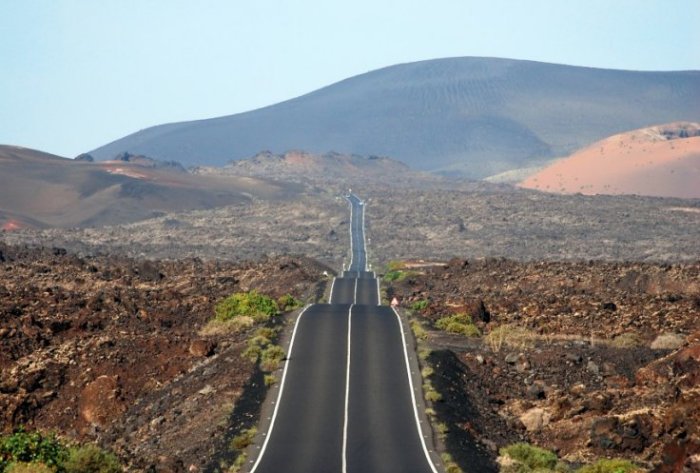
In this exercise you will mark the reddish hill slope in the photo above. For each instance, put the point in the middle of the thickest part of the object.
(42, 190)
(659, 161)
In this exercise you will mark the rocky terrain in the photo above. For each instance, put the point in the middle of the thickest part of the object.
(442, 219)
(588, 359)
(114, 350)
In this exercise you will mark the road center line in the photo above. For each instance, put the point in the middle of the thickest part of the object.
(279, 394)
(347, 397)
(413, 395)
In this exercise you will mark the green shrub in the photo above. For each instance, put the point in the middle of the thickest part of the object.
(420, 305)
(450, 465)
(91, 459)
(28, 447)
(458, 323)
(251, 304)
(392, 276)
(609, 466)
(270, 379)
(418, 330)
(271, 357)
(244, 439)
(288, 303)
(528, 458)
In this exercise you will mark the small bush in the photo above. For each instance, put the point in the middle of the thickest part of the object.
(424, 353)
(288, 303)
(430, 393)
(226, 327)
(251, 304)
(450, 465)
(420, 305)
(626, 340)
(418, 330)
(24, 467)
(271, 357)
(244, 439)
(91, 459)
(427, 372)
(528, 458)
(270, 379)
(459, 323)
(238, 463)
(31, 447)
(610, 466)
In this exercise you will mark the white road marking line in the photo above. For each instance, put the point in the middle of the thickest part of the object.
(364, 237)
(347, 398)
(413, 397)
(379, 297)
(279, 395)
(354, 300)
(352, 246)
(330, 297)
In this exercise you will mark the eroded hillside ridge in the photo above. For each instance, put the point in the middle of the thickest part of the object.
(112, 350)
(588, 359)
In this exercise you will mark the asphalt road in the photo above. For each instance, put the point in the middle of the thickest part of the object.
(345, 403)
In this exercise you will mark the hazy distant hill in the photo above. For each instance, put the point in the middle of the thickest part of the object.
(475, 116)
(42, 190)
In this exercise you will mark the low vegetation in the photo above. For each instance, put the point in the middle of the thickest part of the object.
(420, 305)
(450, 465)
(418, 330)
(396, 271)
(510, 335)
(24, 452)
(458, 323)
(251, 304)
(526, 458)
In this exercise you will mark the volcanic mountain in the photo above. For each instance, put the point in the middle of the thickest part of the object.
(43, 190)
(661, 161)
(471, 116)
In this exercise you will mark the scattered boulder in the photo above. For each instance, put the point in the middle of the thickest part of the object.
(201, 348)
(100, 401)
(535, 419)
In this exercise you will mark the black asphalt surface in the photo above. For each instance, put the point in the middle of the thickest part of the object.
(346, 404)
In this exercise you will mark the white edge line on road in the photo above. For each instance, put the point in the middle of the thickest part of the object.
(347, 397)
(379, 294)
(352, 246)
(413, 396)
(279, 394)
(354, 298)
(364, 235)
(330, 296)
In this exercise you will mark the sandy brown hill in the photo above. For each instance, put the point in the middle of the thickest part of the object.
(42, 190)
(659, 161)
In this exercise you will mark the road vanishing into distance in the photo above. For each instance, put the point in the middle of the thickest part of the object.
(346, 399)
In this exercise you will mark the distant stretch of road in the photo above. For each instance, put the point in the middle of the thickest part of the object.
(345, 403)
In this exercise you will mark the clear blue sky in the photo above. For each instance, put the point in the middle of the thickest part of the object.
(75, 74)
